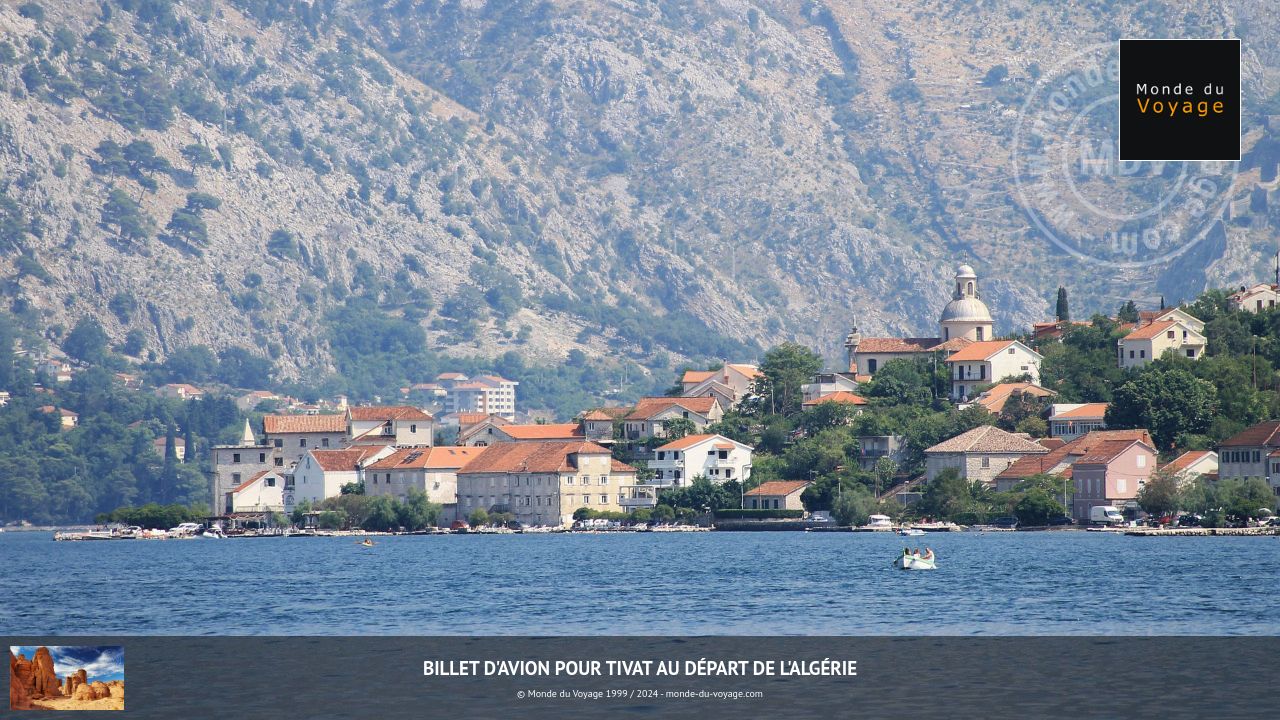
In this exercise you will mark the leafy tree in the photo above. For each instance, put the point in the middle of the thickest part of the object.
(352, 488)
(197, 154)
(854, 506)
(1036, 508)
(995, 75)
(1168, 402)
(1064, 309)
(1161, 494)
(702, 494)
(381, 515)
(1128, 312)
(87, 341)
(826, 415)
(676, 428)
(478, 518)
(900, 382)
(126, 216)
(785, 369)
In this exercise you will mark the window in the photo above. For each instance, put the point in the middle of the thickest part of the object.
(235, 478)
(979, 331)
(986, 462)
(279, 442)
(1257, 456)
(724, 455)
(1191, 352)
(1142, 353)
(1122, 485)
(604, 499)
(1169, 334)
(271, 482)
(568, 480)
(413, 428)
(279, 462)
(871, 366)
(235, 457)
(1130, 354)
(1010, 351)
(302, 442)
(1142, 461)
(604, 479)
(262, 458)
(324, 442)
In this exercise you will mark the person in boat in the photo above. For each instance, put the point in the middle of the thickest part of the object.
(928, 553)
(915, 552)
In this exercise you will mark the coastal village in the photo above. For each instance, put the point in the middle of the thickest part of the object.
(463, 444)
(464, 449)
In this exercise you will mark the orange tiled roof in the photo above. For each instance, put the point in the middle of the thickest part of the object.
(839, 396)
(1150, 330)
(548, 431)
(1105, 452)
(1186, 460)
(978, 351)
(1029, 465)
(387, 412)
(650, 406)
(997, 396)
(249, 482)
(280, 424)
(1087, 410)
(1263, 433)
(697, 376)
(778, 487)
(348, 459)
(433, 458)
(530, 457)
(897, 345)
(685, 442)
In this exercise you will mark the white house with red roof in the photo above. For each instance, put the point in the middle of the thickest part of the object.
(262, 492)
(730, 384)
(1262, 296)
(1199, 463)
(715, 457)
(401, 425)
(985, 363)
(1071, 420)
(1172, 330)
(647, 418)
(775, 495)
(322, 473)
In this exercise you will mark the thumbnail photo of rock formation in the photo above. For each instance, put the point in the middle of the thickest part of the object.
(66, 678)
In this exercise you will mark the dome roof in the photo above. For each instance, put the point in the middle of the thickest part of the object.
(966, 309)
(965, 271)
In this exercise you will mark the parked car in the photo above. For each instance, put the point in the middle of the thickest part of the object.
(1005, 522)
(1061, 520)
(1189, 520)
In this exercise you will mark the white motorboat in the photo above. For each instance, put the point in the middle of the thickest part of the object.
(915, 561)
(214, 532)
(911, 532)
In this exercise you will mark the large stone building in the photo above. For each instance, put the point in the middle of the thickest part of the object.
(543, 483)
(979, 454)
(964, 320)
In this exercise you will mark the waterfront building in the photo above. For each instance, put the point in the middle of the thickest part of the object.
(1252, 453)
(432, 471)
(775, 495)
(262, 492)
(979, 454)
(322, 473)
(292, 436)
(543, 483)
(715, 457)
(235, 464)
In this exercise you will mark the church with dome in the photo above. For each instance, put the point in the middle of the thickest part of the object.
(974, 359)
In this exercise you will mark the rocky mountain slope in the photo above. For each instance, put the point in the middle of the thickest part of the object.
(633, 179)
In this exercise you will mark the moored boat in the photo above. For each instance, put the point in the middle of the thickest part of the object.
(915, 561)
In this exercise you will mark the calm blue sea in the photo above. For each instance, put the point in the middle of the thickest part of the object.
(1061, 583)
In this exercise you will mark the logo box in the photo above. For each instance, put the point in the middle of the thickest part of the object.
(1179, 100)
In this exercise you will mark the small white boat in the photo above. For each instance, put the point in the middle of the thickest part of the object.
(911, 532)
(915, 561)
(214, 532)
